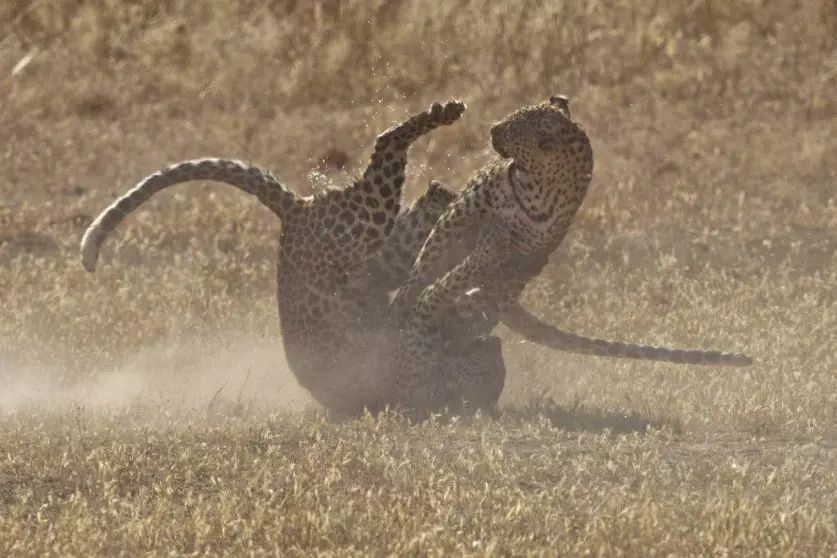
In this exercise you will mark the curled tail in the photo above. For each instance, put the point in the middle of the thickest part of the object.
(251, 179)
(532, 329)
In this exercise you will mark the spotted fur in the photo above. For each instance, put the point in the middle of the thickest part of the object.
(483, 251)
(340, 251)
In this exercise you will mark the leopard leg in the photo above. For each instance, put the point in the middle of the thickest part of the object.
(475, 374)
(388, 269)
(376, 196)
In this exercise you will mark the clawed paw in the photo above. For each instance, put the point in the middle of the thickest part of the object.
(448, 112)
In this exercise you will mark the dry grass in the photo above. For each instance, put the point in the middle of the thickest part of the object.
(146, 409)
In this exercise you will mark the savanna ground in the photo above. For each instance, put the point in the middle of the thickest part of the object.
(146, 409)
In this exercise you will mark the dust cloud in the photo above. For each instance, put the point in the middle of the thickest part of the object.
(181, 374)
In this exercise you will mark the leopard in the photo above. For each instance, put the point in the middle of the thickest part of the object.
(340, 253)
(481, 253)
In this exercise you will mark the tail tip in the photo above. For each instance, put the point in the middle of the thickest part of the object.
(740, 359)
(89, 252)
(88, 263)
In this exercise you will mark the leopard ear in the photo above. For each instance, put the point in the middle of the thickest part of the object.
(562, 102)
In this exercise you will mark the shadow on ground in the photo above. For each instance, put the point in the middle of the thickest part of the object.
(548, 412)
(577, 418)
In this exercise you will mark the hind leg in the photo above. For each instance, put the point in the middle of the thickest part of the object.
(458, 375)
(475, 375)
(415, 372)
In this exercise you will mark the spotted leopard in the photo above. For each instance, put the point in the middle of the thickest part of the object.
(335, 265)
(483, 251)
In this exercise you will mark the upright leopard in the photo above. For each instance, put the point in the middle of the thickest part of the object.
(483, 251)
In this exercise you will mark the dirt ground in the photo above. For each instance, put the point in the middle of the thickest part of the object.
(147, 409)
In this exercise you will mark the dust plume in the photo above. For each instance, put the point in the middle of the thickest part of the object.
(194, 372)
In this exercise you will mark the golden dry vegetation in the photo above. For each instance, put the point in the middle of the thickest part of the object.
(146, 410)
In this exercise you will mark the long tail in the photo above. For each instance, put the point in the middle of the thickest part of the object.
(532, 329)
(249, 178)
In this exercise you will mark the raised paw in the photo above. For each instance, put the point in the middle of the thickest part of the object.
(447, 113)
(440, 192)
(419, 124)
